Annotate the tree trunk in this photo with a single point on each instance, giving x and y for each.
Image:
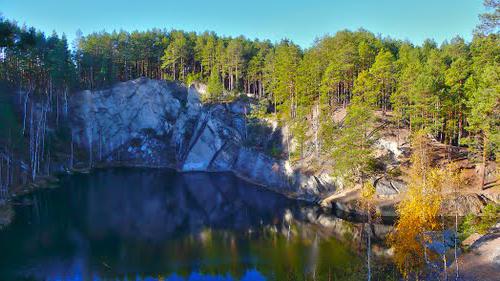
(90, 137)
(65, 101)
(485, 154)
(455, 241)
(460, 125)
(288, 142)
(31, 142)
(316, 131)
(26, 99)
(175, 70)
(100, 145)
(445, 265)
(369, 245)
(71, 159)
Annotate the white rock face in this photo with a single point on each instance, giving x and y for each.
(204, 148)
(391, 146)
(163, 124)
(109, 118)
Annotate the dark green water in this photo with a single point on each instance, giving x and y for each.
(138, 224)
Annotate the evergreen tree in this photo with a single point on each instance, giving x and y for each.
(490, 21)
(215, 87)
(176, 55)
(383, 75)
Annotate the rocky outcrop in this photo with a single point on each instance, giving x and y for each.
(155, 123)
(386, 187)
(463, 204)
(482, 260)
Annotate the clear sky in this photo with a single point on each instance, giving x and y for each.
(300, 21)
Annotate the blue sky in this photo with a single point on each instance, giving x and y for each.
(300, 21)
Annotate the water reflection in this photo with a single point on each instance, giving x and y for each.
(134, 224)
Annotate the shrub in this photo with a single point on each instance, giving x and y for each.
(480, 224)
(489, 217)
(466, 227)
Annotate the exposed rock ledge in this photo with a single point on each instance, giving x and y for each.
(155, 123)
(482, 260)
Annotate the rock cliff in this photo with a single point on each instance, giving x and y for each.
(155, 123)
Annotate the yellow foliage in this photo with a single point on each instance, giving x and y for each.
(453, 176)
(418, 211)
(367, 197)
(368, 191)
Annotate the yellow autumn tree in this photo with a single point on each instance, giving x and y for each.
(367, 204)
(453, 178)
(418, 211)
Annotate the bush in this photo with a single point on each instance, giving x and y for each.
(480, 224)
(489, 217)
(193, 77)
(466, 227)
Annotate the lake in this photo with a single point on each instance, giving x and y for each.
(152, 224)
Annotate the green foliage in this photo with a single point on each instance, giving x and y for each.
(176, 55)
(467, 227)
(287, 58)
(480, 224)
(259, 110)
(484, 102)
(192, 78)
(275, 151)
(383, 78)
(451, 90)
(490, 20)
(35, 62)
(352, 148)
(10, 131)
(448, 89)
(8, 120)
(215, 88)
(489, 217)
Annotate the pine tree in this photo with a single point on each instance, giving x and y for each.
(383, 73)
(490, 21)
(484, 104)
(214, 87)
(286, 62)
(176, 55)
(353, 144)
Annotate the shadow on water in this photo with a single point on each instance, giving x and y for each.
(161, 225)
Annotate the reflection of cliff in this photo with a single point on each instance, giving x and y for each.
(126, 221)
(158, 204)
(155, 204)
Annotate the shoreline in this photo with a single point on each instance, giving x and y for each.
(342, 204)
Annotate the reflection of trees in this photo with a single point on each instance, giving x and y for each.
(119, 222)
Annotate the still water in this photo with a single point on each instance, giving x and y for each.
(143, 224)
